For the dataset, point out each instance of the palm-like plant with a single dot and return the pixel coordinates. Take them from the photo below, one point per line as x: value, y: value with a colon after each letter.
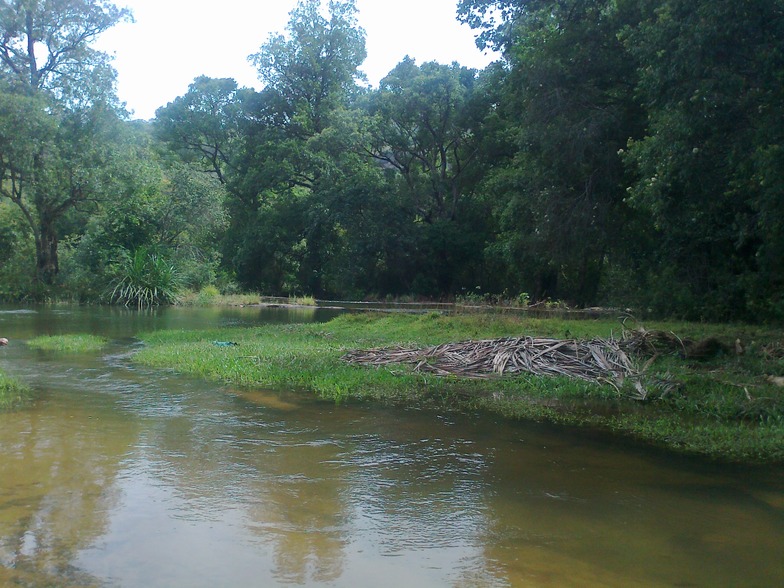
x: 144, y: 279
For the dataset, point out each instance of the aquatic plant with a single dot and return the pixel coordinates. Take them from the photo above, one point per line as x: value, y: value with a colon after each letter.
x: 80, y: 343
x: 13, y: 394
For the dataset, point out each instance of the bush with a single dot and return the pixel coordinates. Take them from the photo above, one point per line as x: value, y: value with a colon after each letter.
x: 207, y: 296
x: 145, y: 279
x: 17, y: 255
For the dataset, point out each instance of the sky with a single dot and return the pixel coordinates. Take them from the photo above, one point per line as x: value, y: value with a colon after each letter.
x: 172, y: 42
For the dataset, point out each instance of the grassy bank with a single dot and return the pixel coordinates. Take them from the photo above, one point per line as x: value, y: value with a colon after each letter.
x: 724, y: 406
x: 210, y: 296
x: 12, y: 393
x: 79, y: 343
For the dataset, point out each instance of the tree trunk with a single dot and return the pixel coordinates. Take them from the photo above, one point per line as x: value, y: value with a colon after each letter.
x: 46, y: 248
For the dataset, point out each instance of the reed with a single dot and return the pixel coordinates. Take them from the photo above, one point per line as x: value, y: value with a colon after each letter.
x: 302, y: 300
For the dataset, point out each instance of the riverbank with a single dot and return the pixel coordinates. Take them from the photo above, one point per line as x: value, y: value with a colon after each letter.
x: 726, y: 406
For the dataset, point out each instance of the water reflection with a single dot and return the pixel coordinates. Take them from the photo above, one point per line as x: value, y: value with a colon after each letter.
x: 622, y: 518
x: 270, y: 471
x: 118, y: 322
x: 122, y: 476
x: 58, y: 485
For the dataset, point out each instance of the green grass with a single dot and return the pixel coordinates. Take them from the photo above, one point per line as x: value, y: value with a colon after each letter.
x: 302, y: 300
x: 68, y: 343
x: 725, y: 408
x: 12, y: 393
x: 210, y: 296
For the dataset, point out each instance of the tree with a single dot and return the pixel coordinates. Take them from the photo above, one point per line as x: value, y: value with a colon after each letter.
x: 311, y: 71
x: 710, y: 164
x: 160, y: 206
x: 563, y: 109
x: 203, y: 126
x: 290, y: 160
x: 57, y: 105
x: 426, y: 129
x: 425, y: 132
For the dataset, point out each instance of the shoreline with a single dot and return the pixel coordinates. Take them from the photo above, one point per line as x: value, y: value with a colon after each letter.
x: 713, y: 413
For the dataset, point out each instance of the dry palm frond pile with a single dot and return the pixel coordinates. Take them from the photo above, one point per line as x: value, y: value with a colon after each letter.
x: 598, y: 360
x: 773, y: 350
x: 644, y: 342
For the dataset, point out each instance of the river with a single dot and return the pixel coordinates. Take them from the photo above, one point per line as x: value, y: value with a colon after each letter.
x: 119, y: 475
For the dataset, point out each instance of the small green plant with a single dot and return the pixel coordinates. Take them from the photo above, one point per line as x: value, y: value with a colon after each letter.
x: 68, y: 343
x: 472, y: 297
x: 145, y: 279
x: 12, y: 393
x: 207, y: 296
x: 302, y: 300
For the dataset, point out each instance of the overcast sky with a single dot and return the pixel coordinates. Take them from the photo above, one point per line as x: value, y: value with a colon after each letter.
x: 174, y: 41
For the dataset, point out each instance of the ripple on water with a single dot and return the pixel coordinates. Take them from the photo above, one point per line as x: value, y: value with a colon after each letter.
x: 127, y: 476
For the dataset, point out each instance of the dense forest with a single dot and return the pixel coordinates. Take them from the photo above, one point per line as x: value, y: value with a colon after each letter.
x: 620, y: 152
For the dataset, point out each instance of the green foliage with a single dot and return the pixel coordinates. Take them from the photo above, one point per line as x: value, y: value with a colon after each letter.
x: 144, y: 278
x: 563, y: 111
x: 299, y: 180
x: 207, y: 296
x: 302, y: 300
x: 57, y: 114
x: 159, y: 204
x: 709, y: 167
x: 81, y: 343
x: 12, y: 393
x: 208, y: 293
x: 425, y: 131
x: 203, y: 125
x: 60, y: 31
x: 309, y: 72
x: 646, y: 162
x: 17, y: 254
x: 625, y: 153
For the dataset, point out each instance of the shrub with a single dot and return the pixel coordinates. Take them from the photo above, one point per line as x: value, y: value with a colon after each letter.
x: 145, y: 279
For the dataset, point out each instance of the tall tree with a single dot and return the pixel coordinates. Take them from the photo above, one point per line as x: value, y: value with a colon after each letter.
x: 426, y: 129
x: 710, y: 164
x: 56, y: 104
x: 567, y: 107
x: 289, y: 167
x: 311, y: 70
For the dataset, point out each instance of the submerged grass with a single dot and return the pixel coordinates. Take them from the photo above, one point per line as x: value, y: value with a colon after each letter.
x: 80, y: 343
x: 726, y: 407
x: 12, y: 393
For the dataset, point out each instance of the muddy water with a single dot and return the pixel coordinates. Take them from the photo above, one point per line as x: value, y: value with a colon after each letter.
x: 121, y: 476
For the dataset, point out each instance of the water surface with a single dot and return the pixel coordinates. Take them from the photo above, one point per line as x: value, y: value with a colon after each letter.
x: 125, y: 476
